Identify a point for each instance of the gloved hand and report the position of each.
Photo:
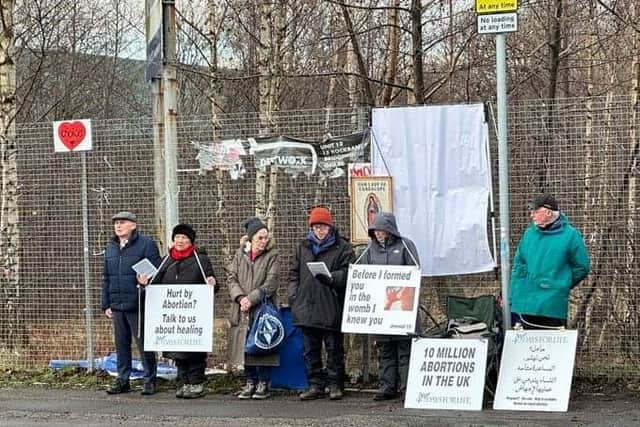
(324, 279)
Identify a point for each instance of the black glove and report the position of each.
(324, 279)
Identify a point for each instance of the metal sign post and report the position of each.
(498, 17)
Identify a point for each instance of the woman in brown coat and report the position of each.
(252, 272)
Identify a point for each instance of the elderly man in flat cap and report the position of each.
(551, 259)
(120, 298)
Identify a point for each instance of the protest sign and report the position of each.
(381, 299)
(178, 318)
(536, 370)
(446, 374)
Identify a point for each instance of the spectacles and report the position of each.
(320, 227)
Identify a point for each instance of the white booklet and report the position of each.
(318, 268)
(145, 267)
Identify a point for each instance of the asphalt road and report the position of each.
(57, 408)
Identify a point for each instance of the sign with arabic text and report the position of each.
(536, 370)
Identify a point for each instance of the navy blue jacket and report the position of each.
(119, 284)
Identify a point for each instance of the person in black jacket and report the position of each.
(388, 247)
(184, 265)
(121, 300)
(317, 302)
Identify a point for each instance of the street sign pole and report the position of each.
(499, 17)
(503, 174)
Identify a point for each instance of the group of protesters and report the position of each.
(550, 260)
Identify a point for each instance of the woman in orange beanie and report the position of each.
(317, 301)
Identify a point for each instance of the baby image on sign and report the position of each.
(381, 299)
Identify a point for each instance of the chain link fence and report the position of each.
(582, 150)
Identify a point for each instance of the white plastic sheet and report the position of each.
(437, 158)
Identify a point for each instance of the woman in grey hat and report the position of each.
(253, 271)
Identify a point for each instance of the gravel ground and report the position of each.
(52, 407)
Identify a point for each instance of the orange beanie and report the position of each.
(320, 216)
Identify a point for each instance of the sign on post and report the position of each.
(154, 39)
(178, 318)
(72, 135)
(381, 299)
(497, 16)
(496, 6)
(446, 374)
(498, 23)
(536, 370)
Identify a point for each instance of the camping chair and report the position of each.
(478, 317)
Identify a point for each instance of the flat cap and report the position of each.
(125, 215)
(544, 201)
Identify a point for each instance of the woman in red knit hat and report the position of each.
(317, 301)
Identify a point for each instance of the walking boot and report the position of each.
(312, 393)
(248, 390)
(262, 391)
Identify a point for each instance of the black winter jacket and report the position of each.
(314, 304)
(184, 272)
(119, 284)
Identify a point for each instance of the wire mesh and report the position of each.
(581, 150)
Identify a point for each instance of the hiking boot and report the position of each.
(195, 391)
(148, 389)
(312, 393)
(180, 392)
(334, 392)
(247, 391)
(384, 395)
(262, 391)
(119, 387)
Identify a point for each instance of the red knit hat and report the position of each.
(320, 216)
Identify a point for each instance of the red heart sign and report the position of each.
(71, 134)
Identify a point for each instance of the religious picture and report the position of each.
(369, 195)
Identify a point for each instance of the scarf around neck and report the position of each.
(180, 255)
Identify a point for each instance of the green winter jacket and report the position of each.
(547, 265)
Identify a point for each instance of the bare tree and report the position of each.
(9, 227)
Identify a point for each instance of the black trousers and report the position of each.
(317, 375)
(393, 365)
(529, 321)
(191, 369)
(125, 327)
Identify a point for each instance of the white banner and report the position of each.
(536, 370)
(381, 299)
(178, 318)
(441, 182)
(446, 374)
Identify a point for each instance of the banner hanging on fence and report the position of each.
(335, 153)
(329, 157)
(438, 160)
(446, 374)
(536, 370)
(381, 299)
(178, 318)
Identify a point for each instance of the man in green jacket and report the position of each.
(551, 259)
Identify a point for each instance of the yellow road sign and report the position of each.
(495, 6)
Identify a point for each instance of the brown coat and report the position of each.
(246, 278)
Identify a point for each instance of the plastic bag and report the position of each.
(267, 331)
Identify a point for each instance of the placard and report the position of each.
(178, 318)
(369, 195)
(73, 135)
(536, 370)
(446, 374)
(381, 299)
